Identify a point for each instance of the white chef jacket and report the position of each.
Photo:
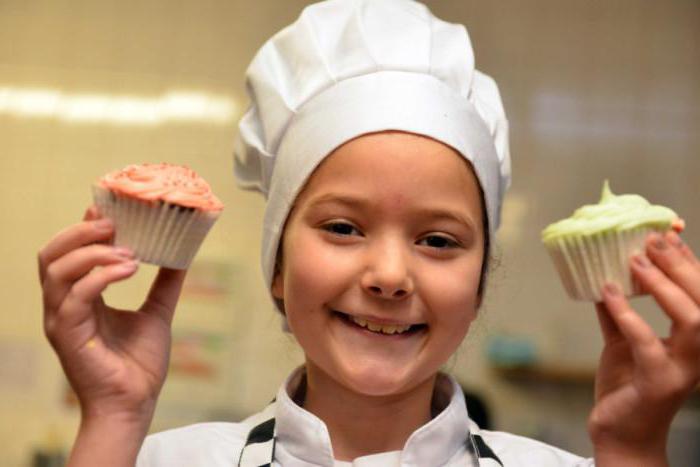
(302, 440)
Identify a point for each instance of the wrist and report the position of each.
(639, 444)
(105, 414)
(112, 439)
(625, 454)
(121, 422)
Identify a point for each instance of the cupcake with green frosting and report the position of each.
(595, 244)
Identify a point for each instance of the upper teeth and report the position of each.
(383, 328)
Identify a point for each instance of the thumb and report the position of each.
(164, 293)
(610, 330)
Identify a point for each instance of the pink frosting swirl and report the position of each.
(171, 183)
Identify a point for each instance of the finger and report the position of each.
(164, 293)
(675, 240)
(62, 273)
(675, 301)
(77, 307)
(73, 237)
(91, 213)
(611, 333)
(677, 261)
(647, 349)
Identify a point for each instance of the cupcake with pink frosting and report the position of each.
(161, 211)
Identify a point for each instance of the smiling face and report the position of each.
(382, 255)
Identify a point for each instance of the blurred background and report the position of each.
(593, 90)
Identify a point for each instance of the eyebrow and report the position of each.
(363, 203)
(350, 201)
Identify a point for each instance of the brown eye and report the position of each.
(340, 228)
(439, 242)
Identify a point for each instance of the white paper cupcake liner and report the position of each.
(585, 263)
(158, 232)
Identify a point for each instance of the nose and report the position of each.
(388, 273)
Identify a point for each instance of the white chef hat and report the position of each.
(351, 67)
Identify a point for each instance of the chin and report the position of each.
(379, 380)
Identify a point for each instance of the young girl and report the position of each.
(383, 155)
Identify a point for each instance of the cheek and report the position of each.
(455, 296)
(314, 271)
(453, 292)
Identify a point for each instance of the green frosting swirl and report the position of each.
(612, 214)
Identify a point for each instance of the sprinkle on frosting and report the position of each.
(171, 183)
(613, 213)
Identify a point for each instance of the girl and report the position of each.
(383, 155)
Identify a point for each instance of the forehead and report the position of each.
(399, 167)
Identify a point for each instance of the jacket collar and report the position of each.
(305, 438)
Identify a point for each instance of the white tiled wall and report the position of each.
(593, 90)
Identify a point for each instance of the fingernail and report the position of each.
(658, 242)
(611, 289)
(129, 265)
(104, 224)
(123, 251)
(674, 239)
(641, 261)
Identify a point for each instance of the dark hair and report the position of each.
(485, 262)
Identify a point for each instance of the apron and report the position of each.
(259, 448)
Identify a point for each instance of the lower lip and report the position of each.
(365, 331)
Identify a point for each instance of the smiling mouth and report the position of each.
(377, 328)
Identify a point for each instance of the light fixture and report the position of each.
(174, 106)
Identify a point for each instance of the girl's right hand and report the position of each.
(115, 360)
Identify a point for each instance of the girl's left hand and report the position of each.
(642, 379)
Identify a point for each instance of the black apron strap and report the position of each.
(482, 450)
(259, 448)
